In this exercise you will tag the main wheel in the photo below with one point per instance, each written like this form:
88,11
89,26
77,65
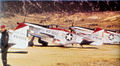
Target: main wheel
44,43
30,43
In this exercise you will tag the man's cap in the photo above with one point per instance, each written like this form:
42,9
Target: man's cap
2,26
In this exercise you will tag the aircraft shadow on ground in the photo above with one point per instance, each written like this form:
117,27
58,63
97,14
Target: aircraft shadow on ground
49,46
112,44
82,47
65,46
17,52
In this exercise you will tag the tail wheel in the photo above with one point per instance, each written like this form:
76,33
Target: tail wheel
44,43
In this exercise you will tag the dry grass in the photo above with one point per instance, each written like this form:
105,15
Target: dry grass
106,20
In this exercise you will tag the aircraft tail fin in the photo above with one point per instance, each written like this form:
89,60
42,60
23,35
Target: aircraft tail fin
19,36
97,36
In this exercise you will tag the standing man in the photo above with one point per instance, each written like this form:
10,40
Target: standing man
4,45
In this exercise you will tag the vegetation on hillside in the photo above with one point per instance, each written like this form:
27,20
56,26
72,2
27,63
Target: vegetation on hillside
104,14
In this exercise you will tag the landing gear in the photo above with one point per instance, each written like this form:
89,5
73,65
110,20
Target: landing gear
81,45
85,42
44,43
30,43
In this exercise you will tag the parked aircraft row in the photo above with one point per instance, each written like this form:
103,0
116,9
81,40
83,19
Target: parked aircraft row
109,36
18,38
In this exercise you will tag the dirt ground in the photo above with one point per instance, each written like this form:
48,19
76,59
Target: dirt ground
106,55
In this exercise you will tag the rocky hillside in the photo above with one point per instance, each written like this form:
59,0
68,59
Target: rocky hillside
106,20
29,6
65,14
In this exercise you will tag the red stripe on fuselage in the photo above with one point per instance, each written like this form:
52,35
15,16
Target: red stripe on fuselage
60,29
107,32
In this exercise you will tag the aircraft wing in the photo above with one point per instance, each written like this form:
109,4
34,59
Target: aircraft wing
81,30
38,32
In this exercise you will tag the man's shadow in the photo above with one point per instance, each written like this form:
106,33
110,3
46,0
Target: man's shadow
17,52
